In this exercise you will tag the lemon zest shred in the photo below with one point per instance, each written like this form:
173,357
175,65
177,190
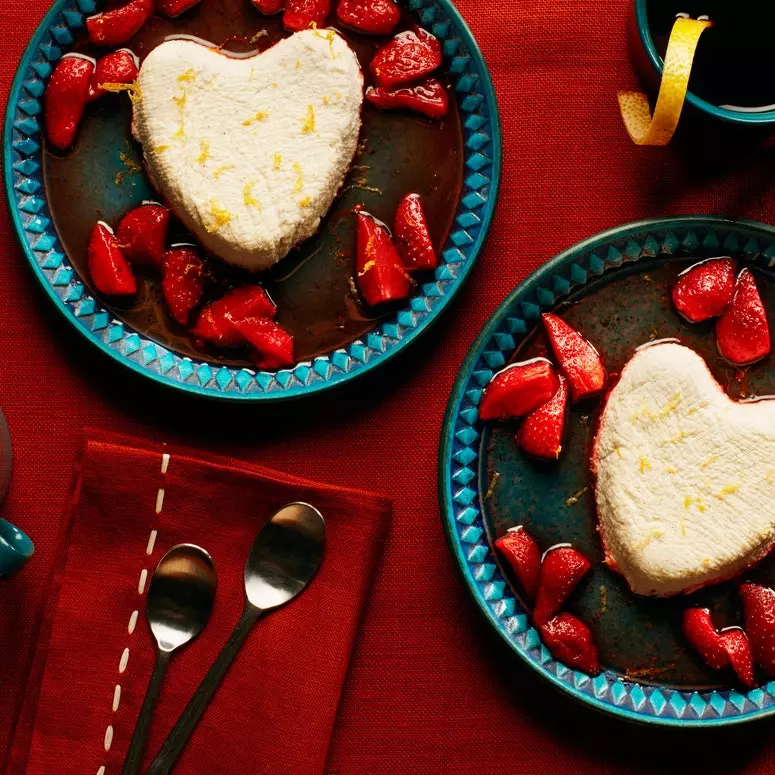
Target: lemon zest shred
189,75
709,462
728,490
308,122
132,89
223,168
369,265
278,160
220,216
260,116
160,148
204,154
645,464
248,197
305,202
299,185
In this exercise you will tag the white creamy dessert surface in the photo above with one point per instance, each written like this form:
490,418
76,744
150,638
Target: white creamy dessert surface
685,476
250,152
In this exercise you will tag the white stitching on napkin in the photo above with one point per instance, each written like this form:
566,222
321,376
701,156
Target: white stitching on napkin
141,583
108,737
159,500
101,770
124,659
116,697
130,628
151,542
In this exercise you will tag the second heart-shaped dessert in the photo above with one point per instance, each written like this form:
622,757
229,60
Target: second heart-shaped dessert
685,477
249,152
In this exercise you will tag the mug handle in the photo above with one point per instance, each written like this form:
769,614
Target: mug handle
15,549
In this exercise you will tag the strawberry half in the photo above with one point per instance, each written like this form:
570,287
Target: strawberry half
182,281
216,322
271,346
522,555
542,431
577,357
269,7
110,271
759,616
142,234
115,27
735,643
380,275
302,14
120,66
375,17
705,290
412,236
429,98
743,333
562,569
65,98
570,642
173,8
411,55
698,629
518,389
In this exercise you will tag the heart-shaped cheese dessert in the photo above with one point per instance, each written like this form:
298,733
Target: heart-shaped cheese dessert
250,152
685,476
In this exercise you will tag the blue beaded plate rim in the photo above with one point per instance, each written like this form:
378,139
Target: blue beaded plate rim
463,484
25,194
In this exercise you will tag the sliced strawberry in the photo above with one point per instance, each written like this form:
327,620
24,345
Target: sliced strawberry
736,644
412,236
570,642
759,615
429,98
380,275
542,431
110,271
142,234
743,333
173,8
182,281
216,322
269,7
698,629
705,290
65,98
115,27
410,56
271,346
518,389
302,14
523,557
561,570
375,17
117,67
578,358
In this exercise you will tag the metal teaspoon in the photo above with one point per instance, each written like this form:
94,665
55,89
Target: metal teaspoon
180,600
285,556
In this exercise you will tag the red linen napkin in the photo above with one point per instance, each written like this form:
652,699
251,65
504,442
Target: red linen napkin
275,709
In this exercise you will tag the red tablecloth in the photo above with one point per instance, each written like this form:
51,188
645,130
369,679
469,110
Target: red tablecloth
430,689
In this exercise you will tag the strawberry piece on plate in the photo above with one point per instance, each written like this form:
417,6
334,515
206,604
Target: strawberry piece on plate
759,617
743,333
110,271
115,27
521,553
302,14
380,274
543,429
410,56
578,358
735,643
562,569
182,281
119,67
705,290
173,8
269,7
216,322
518,389
271,346
65,98
698,629
429,98
412,236
142,234
374,17
570,642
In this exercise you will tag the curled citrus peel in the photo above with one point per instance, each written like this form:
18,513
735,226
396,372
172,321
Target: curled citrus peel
645,129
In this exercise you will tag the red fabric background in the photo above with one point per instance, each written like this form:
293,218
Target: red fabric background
429,690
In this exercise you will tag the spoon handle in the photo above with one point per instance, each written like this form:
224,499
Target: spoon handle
184,727
134,756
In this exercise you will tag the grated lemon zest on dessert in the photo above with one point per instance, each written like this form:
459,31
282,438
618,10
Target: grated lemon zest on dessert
648,538
220,216
669,407
299,185
260,34
728,490
298,63
189,75
132,89
308,122
180,101
369,265
645,464
204,154
618,451
248,197
682,523
223,168
706,561
305,202
688,500
160,148
260,116
129,162
325,99
575,498
278,160
709,462
274,85
329,36
770,476
670,470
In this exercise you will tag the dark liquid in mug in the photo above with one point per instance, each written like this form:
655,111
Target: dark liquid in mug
734,64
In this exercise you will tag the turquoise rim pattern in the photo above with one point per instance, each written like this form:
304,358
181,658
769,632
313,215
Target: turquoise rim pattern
29,212
461,489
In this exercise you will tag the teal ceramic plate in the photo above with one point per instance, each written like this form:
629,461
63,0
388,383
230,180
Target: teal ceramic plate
25,171
615,288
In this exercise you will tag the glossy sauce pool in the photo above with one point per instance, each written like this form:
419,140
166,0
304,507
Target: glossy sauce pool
101,178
